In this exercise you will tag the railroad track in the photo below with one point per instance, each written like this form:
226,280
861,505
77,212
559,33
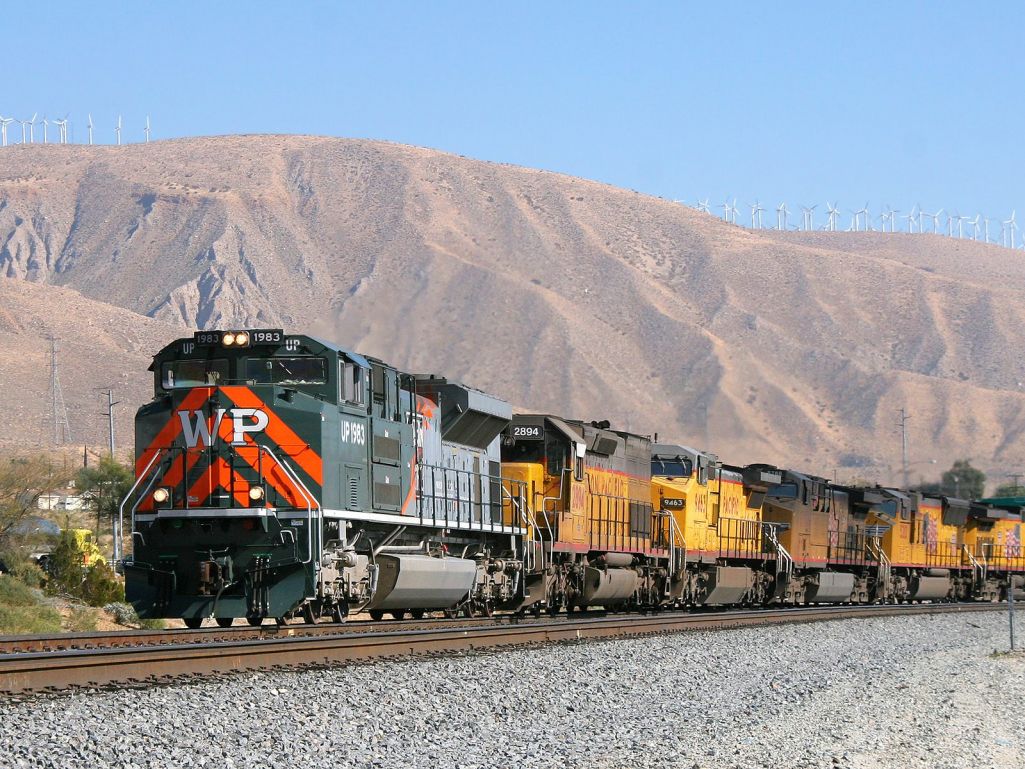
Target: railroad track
33,671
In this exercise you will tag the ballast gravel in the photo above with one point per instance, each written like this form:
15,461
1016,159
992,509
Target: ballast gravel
924,691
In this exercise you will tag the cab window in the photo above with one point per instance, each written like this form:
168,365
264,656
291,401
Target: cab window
352,387
671,468
298,371
555,456
193,373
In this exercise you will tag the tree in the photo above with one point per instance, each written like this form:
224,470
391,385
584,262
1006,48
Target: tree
103,486
22,481
1009,490
964,481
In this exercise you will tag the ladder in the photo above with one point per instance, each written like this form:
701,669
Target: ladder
784,561
883,571
676,570
978,567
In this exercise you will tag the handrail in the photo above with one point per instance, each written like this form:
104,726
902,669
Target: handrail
121,508
784,561
978,569
519,506
875,548
311,502
674,532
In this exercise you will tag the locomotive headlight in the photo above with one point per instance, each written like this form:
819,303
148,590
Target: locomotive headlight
228,339
162,496
256,493
241,339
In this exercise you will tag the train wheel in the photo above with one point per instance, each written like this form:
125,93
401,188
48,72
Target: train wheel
255,621
308,614
451,613
225,621
340,612
416,613
376,614
399,614
193,623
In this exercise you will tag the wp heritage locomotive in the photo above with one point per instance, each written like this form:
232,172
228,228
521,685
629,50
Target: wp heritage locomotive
282,475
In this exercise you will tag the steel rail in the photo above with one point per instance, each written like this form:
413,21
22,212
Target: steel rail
49,671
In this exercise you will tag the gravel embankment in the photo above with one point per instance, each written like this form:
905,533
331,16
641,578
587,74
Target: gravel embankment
898,692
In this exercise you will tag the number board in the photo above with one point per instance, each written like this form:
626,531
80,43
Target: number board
267,336
207,337
528,433
672,504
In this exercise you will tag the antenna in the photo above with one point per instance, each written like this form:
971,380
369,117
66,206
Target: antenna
61,427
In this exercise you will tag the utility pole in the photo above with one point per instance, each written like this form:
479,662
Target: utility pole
109,414
902,424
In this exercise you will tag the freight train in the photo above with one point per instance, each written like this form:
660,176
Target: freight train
280,475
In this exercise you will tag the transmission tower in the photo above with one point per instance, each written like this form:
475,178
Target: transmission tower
61,427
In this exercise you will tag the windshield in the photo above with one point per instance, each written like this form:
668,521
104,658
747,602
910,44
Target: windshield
193,373
671,468
286,370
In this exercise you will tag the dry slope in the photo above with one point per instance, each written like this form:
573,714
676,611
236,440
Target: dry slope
557,293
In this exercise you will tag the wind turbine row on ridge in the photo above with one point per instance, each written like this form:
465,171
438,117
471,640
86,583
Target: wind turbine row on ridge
957,225
28,129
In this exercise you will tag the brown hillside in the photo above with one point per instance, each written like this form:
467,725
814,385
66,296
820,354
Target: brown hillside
557,293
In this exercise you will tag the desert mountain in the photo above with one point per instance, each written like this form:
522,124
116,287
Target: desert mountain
557,293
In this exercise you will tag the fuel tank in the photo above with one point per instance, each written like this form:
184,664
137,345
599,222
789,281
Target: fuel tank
830,587
417,581
924,588
607,587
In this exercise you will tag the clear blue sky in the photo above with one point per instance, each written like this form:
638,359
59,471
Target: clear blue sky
881,102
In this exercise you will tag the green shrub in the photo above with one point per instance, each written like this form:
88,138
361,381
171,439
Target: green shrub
22,609
101,586
23,569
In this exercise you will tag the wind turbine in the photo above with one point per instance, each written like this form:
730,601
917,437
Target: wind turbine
117,130
1011,227
863,212
986,229
974,224
781,216
32,129
147,129
960,225
45,125
911,220
808,216
703,206
4,122
921,220
62,127
893,218
935,219
756,216
834,214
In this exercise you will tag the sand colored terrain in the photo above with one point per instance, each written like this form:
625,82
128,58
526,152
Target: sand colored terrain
556,293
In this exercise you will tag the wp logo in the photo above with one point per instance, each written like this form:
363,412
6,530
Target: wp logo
198,430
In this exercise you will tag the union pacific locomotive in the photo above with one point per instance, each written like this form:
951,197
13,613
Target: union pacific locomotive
281,475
